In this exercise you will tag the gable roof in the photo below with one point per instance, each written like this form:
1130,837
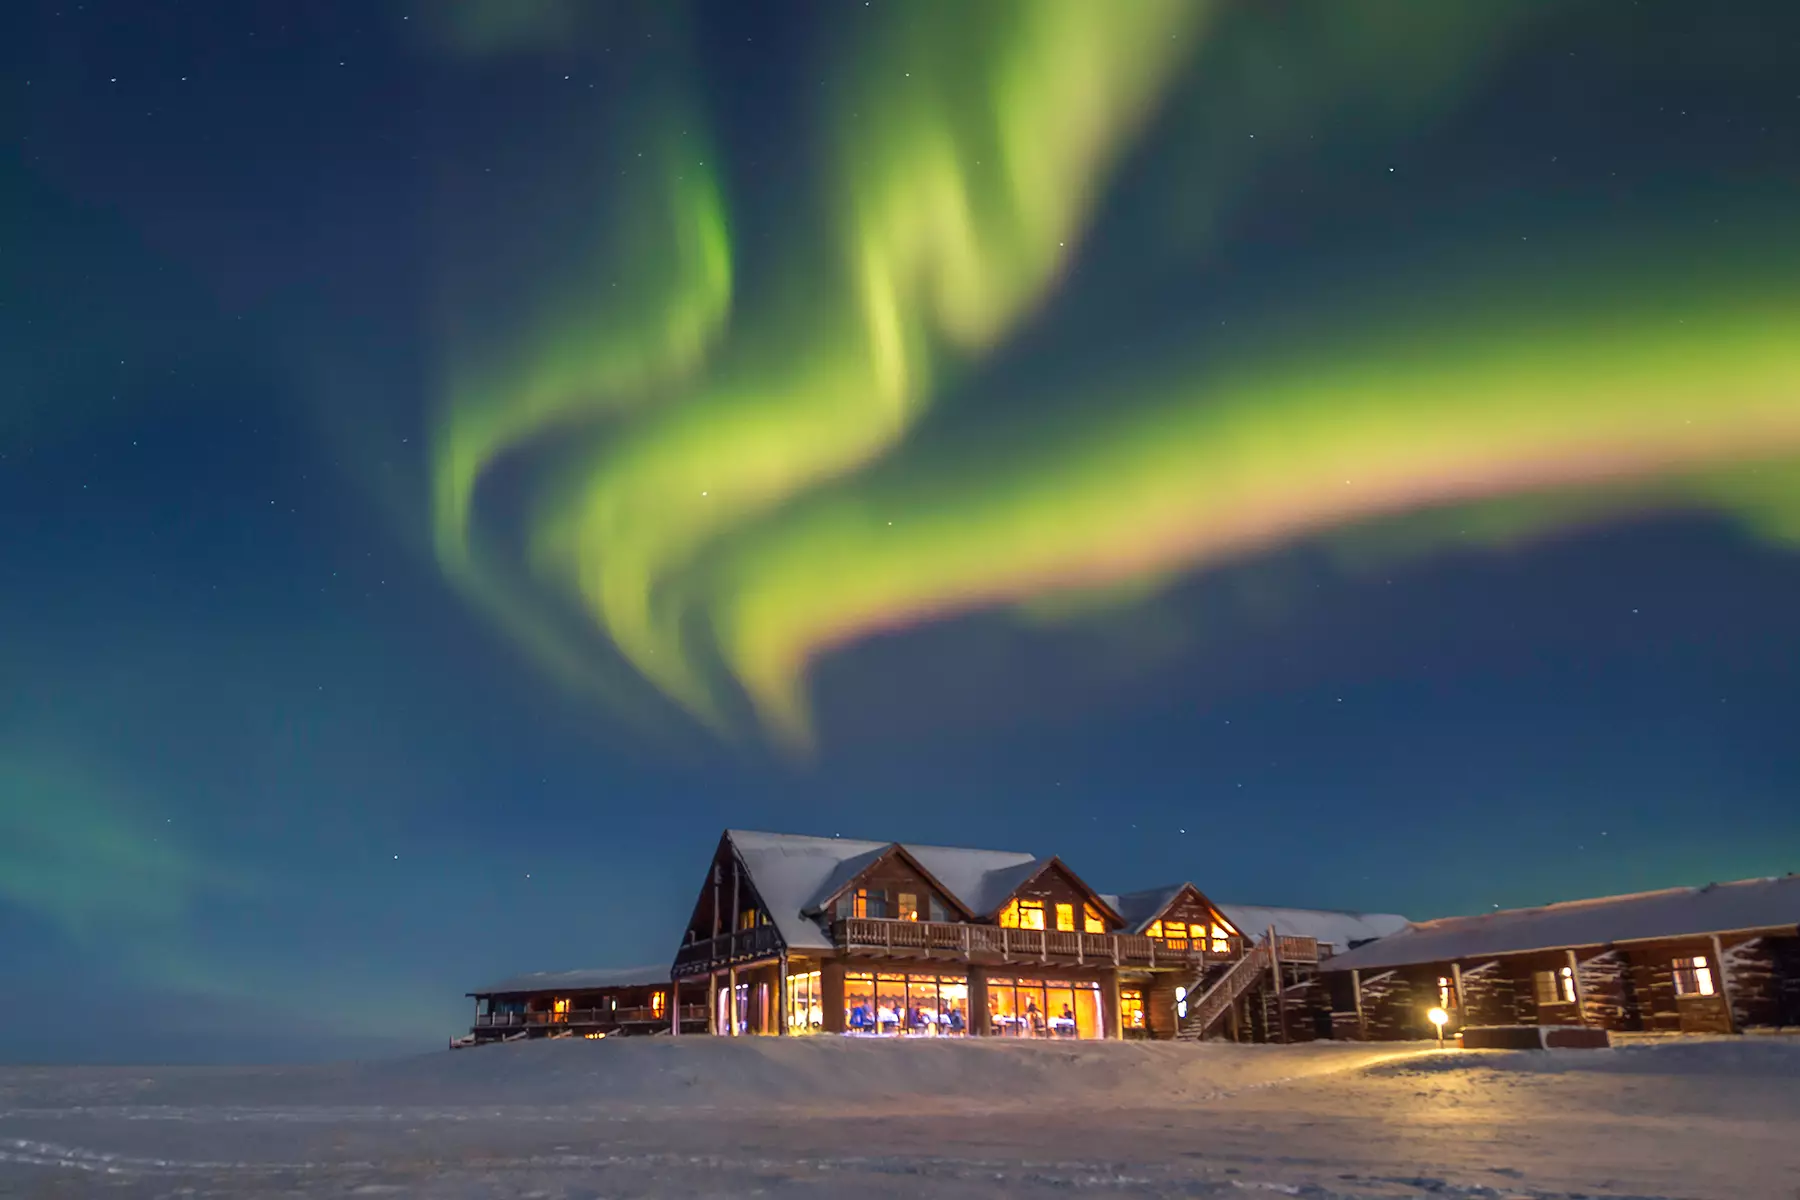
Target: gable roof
851,869
1746,904
793,873
1339,930
1001,886
577,981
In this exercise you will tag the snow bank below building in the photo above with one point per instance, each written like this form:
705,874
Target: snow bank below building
882,1120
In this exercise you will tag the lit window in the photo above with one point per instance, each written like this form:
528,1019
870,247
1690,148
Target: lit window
1065,918
1554,987
1693,977
1023,914
1131,1008
1446,993
1092,919
859,904
909,907
1155,929
657,1001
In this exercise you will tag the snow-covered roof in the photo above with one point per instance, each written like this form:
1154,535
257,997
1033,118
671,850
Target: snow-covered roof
1339,930
1141,908
1772,903
577,981
794,874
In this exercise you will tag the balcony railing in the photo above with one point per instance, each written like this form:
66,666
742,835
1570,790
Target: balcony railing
956,940
1297,949
708,954
588,1017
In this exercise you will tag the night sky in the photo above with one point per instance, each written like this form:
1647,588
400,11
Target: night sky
457,457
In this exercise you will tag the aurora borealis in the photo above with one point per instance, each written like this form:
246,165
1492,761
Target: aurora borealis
455,457
721,502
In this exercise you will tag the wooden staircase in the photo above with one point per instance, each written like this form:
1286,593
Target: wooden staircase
1216,1001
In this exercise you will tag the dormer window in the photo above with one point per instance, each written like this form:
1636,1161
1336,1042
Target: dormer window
1023,914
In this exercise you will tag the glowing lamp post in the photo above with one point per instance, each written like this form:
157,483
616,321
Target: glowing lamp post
1438,1018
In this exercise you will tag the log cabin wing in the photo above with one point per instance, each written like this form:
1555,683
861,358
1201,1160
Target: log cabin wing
1716,959
587,1003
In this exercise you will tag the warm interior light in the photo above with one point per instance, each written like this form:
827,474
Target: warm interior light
1438,1017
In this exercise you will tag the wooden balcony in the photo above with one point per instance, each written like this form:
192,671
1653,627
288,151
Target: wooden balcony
710,954
589,1018
994,943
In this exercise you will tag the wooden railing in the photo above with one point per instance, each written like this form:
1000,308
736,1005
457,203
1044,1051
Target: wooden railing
1297,949
587,1016
963,941
696,958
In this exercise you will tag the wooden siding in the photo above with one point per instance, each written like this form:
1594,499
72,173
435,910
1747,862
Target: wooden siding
1608,997
893,875
1054,885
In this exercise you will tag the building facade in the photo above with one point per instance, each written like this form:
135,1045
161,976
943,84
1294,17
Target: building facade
579,1004
1724,958
793,935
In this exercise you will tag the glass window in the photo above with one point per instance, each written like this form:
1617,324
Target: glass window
1554,987
919,1017
657,1001
1220,944
953,1006
1023,914
1003,1008
859,903
1155,929
1175,933
804,1013
1131,1008
1065,918
1693,977
859,1004
1094,922
909,907
890,1003
937,909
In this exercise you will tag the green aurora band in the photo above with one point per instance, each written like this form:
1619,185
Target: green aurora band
735,489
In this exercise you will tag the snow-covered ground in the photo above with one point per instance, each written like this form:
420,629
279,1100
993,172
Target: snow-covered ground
824,1117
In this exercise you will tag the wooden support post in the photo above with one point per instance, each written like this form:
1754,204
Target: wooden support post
1362,1023
978,1003
1731,1021
674,1008
731,1003
1456,983
737,893
1575,986
712,1002
1115,1013
782,1009
1280,998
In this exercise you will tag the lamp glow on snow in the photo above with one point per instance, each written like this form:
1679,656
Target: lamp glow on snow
1439,1017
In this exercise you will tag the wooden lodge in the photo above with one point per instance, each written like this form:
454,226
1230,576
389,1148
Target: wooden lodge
579,1004
792,935
1724,958
795,935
